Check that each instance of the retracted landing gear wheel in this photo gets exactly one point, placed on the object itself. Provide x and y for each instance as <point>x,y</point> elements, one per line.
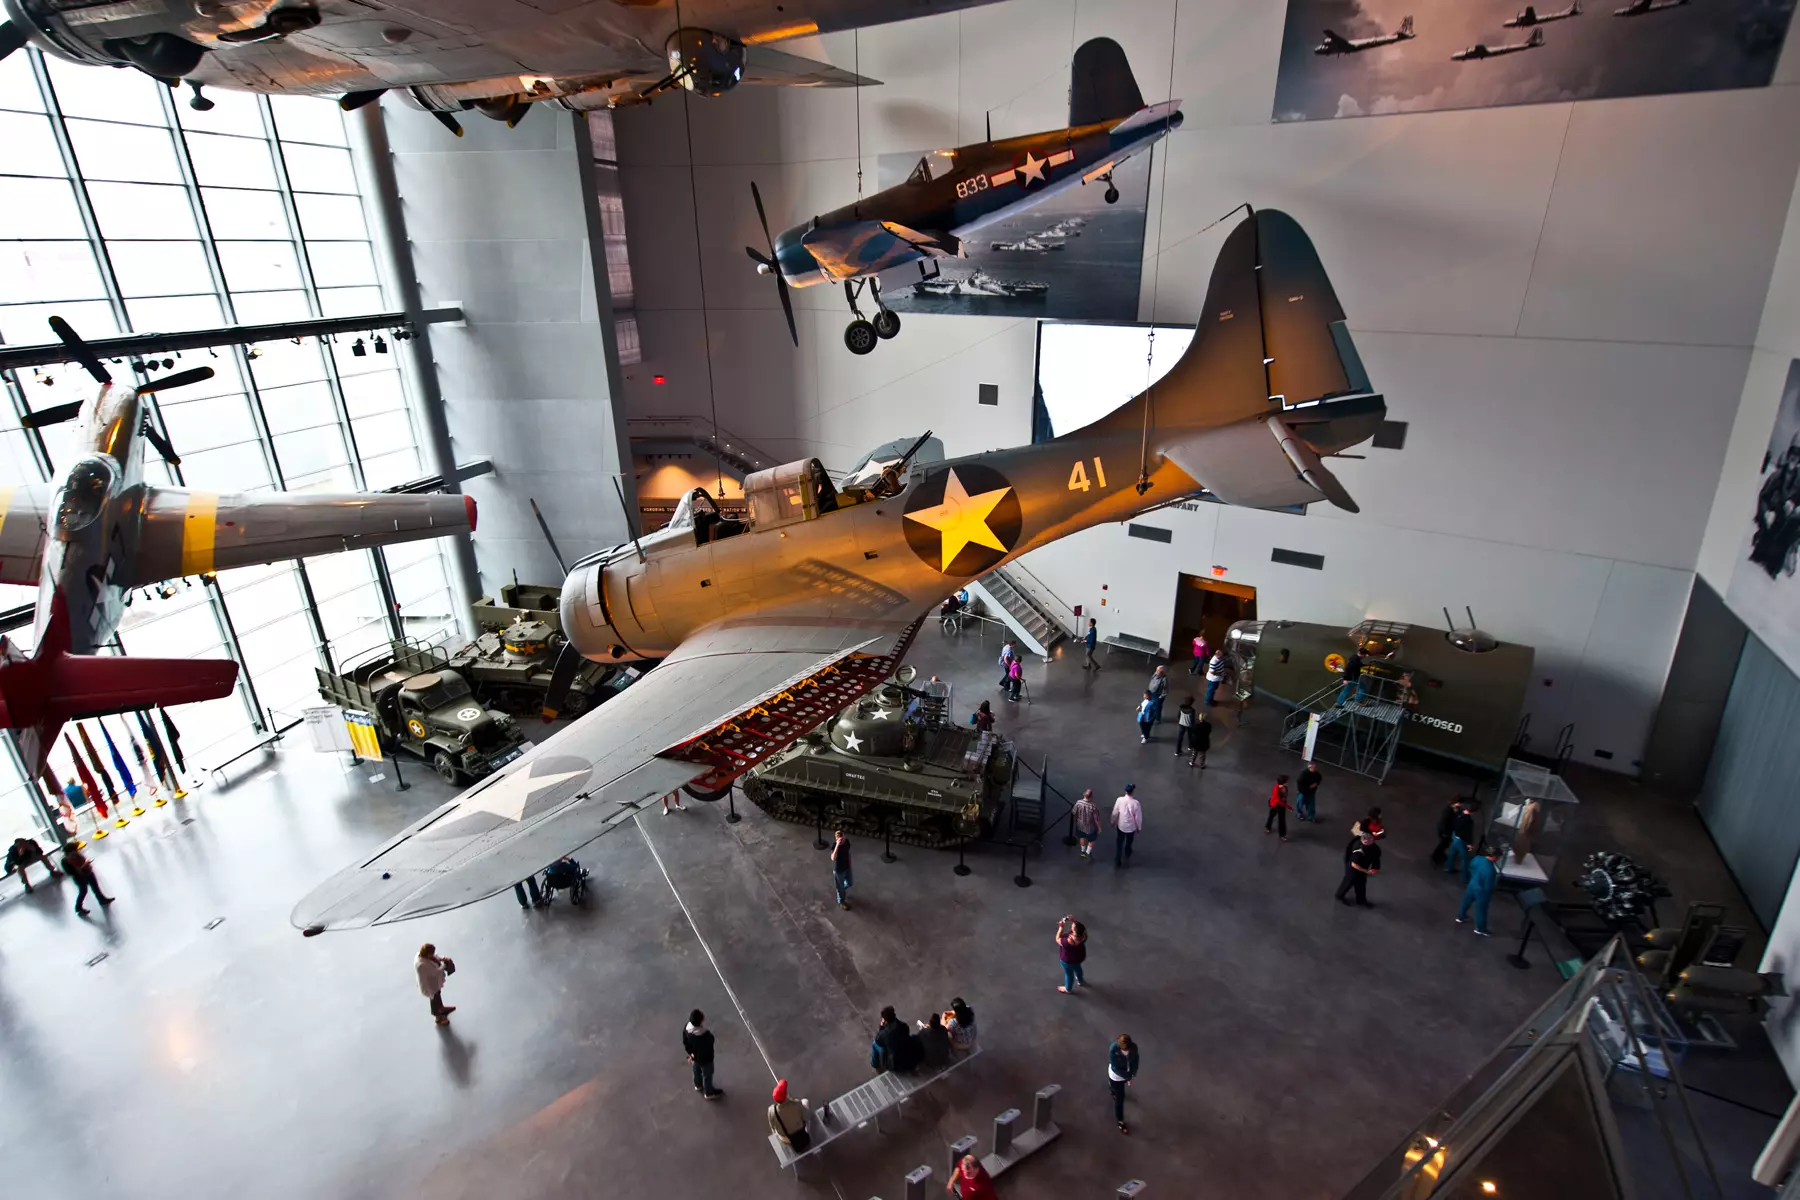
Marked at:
<point>1112,194</point>
<point>860,336</point>
<point>887,323</point>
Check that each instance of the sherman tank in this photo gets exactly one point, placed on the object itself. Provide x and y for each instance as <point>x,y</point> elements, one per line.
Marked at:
<point>509,665</point>
<point>883,766</point>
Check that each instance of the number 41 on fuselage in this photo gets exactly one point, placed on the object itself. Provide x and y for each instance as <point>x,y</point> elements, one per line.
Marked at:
<point>952,193</point>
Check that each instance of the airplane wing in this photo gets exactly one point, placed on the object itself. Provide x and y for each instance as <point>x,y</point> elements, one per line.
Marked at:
<point>764,64</point>
<point>869,247</point>
<point>191,533</point>
<point>1338,42</point>
<point>24,517</point>
<point>727,698</point>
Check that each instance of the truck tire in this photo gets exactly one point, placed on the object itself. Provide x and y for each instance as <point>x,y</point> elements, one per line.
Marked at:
<point>446,767</point>
<point>575,703</point>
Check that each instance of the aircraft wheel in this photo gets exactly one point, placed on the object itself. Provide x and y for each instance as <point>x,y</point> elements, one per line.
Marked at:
<point>887,323</point>
<point>860,336</point>
<point>1112,194</point>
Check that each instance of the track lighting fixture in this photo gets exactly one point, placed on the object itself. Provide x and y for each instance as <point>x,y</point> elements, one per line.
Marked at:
<point>380,346</point>
<point>358,349</point>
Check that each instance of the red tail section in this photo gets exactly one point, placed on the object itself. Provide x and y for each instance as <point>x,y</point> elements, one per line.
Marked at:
<point>37,695</point>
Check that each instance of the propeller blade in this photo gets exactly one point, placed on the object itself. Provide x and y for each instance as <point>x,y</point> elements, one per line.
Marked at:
<point>448,122</point>
<point>56,414</point>
<point>86,357</point>
<point>351,101</point>
<point>562,677</point>
<point>179,379</point>
<point>759,258</point>
<point>545,526</point>
<point>787,306</point>
<point>12,36</point>
<point>163,447</point>
<point>762,216</point>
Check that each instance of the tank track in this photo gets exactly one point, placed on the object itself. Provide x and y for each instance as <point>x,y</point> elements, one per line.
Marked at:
<point>932,829</point>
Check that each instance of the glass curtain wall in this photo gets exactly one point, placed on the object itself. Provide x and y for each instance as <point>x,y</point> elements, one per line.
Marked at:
<point>132,212</point>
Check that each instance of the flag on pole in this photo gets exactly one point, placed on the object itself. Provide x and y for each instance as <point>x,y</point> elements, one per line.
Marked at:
<point>164,770</point>
<point>146,770</point>
<point>112,793</point>
<point>118,760</point>
<point>174,736</point>
<point>81,768</point>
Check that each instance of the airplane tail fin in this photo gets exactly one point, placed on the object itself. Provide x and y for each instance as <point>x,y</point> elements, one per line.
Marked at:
<point>1271,337</point>
<point>1406,29</point>
<point>1101,86</point>
<point>39,694</point>
<point>1536,39</point>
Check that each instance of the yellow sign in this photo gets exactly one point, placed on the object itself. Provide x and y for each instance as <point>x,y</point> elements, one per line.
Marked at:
<point>363,735</point>
<point>1334,662</point>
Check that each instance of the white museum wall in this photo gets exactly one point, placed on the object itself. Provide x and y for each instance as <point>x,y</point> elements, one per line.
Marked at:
<point>1560,300</point>
<point>498,221</point>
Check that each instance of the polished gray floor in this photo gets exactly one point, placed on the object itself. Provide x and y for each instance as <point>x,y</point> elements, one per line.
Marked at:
<point>1287,1040</point>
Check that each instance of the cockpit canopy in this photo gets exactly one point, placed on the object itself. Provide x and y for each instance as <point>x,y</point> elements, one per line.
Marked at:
<point>935,165</point>
<point>699,512</point>
<point>84,493</point>
<point>796,491</point>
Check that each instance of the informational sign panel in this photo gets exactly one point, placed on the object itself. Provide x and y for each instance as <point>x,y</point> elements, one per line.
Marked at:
<point>364,738</point>
<point>1312,736</point>
<point>325,726</point>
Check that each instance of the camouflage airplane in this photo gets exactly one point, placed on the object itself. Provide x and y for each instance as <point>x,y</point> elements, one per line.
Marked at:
<point>953,193</point>
<point>1336,43</point>
<point>89,539</point>
<point>450,56</point>
<point>767,626</point>
<point>1531,16</point>
<point>1481,50</point>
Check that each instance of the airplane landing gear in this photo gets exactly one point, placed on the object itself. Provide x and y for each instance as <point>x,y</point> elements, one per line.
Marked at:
<point>861,334</point>
<point>1112,189</point>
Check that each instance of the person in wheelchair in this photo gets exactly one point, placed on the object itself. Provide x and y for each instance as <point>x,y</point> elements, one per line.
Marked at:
<point>950,612</point>
<point>565,874</point>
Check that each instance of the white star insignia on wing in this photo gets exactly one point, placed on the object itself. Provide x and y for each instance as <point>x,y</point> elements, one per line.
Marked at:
<point>1031,169</point>
<point>509,797</point>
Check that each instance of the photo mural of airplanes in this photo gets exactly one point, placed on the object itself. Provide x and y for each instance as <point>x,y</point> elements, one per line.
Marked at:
<point>1639,8</point>
<point>447,56</point>
<point>1531,16</point>
<point>953,193</point>
<point>768,626</point>
<point>1481,50</point>
<point>1336,43</point>
<point>100,531</point>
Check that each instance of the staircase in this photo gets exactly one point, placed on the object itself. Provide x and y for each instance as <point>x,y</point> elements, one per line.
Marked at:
<point>1362,736</point>
<point>687,434</point>
<point>1036,627</point>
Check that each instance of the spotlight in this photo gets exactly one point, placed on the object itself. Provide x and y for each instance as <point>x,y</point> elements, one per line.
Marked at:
<point>358,349</point>
<point>380,346</point>
<point>168,363</point>
<point>253,352</point>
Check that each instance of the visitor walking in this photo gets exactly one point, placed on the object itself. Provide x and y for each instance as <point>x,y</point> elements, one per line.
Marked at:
<point>697,1041</point>
<point>433,969</point>
<point>1308,788</point>
<point>1201,654</point>
<point>840,869</point>
<point>1446,829</point>
<point>1159,688</point>
<point>787,1119</point>
<point>1278,807</point>
<point>1362,858</point>
<point>1484,873</point>
<point>983,720</point>
<point>1015,679</point>
<point>1087,823</point>
<point>1184,723</point>
<point>1008,653</point>
<point>1121,1069</point>
<point>1146,718</point>
<point>1201,739</point>
<point>76,866</point>
<point>1216,670</point>
<point>1071,949</point>
<point>1462,838</point>
<point>1090,640</point>
<point>1127,819</point>
<point>971,1181</point>
<point>676,797</point>
<point>1353,681</point>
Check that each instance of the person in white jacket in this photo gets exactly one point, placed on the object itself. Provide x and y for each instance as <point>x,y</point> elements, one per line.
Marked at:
<point>433,970</point>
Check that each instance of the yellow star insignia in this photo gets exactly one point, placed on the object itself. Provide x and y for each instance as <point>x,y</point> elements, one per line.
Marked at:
<point>961,519</point>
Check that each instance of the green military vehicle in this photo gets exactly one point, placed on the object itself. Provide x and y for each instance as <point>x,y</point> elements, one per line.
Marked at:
<point>510,664</point>
<point>423,706</point>
<point>889,764</point>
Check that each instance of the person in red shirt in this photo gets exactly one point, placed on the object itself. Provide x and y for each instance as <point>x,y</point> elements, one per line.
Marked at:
<point>970,1180</point>
<point>1278,807</point>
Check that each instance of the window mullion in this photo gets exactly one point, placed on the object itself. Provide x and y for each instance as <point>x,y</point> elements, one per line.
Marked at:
<point>83,202</point>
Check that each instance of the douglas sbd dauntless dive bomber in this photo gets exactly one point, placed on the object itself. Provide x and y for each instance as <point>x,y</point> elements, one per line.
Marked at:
<point>768,626</point>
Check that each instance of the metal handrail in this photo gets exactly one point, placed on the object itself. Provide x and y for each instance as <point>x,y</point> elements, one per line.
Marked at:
<point>1039,592</point>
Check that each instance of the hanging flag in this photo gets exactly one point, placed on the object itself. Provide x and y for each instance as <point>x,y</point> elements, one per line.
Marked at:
<point>118,760</point>
<point>164,769</point>
<point>112,793</point>
<point>90,791</point>
<point>174,740</point>
<point>146,771</point>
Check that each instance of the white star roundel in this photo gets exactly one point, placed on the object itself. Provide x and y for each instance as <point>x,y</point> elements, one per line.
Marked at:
<point>852,742</point>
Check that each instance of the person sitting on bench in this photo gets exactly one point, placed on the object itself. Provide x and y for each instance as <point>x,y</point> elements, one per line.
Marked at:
<point>21,854</point>
<point>894,1050</point>
<point>787,1119</point>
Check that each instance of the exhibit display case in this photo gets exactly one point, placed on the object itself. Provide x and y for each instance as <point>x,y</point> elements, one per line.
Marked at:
<point>1531,820</point>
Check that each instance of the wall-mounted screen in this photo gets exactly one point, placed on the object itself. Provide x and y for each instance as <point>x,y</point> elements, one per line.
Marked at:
<point>1085,370</point>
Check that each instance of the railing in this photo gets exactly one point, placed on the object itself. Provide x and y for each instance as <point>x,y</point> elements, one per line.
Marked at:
<point>701,432</point>
<point>1036,591</point>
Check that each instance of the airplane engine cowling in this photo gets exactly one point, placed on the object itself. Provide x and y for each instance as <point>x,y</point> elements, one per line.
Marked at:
<point>585,621</point>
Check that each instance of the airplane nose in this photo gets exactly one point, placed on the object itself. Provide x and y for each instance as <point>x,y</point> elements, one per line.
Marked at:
<point>763,268</point>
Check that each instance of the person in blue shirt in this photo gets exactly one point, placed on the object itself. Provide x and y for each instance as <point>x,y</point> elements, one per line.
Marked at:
<point>1090,640</point>
<point>1121,1069</point>
<point>1484,873</point>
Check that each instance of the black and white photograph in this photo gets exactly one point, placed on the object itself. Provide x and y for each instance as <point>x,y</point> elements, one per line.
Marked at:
<point>1764,589</point>
<point>1071,257</point>
<point>1360,58</point>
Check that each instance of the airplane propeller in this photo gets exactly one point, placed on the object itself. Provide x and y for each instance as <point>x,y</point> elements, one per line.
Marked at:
<point>83,355</point>
<point>766,264</point>
<point>12,36</point>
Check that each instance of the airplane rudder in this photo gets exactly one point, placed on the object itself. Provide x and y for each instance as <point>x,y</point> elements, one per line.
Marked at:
<point>1101,85</point>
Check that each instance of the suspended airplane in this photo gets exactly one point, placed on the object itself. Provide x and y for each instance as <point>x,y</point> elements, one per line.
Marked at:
<point>1336,43</point>
<point>1481,50</point>
<point>450,55</point>
<point>953,193</point>
<point>1638,8</point>
<point>1531,16</point>
<point>767,626</point>
<point>101,530</point>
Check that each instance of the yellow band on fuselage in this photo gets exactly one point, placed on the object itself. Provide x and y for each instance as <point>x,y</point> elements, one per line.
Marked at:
<point>197,533</point>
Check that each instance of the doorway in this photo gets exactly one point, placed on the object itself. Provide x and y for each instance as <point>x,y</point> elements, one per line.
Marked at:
<point>1209,606</point>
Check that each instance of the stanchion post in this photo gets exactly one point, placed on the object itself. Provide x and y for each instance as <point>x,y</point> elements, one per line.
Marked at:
<point>1131,1189</point>
<point>1022,879</point>
<point>961,867</point>
<point>1069,838</point>
<point>732,817</point>
<point>1003,1131</point>
<point>819,841</point>
<point>961,1146</point>
<point>1517,958</point>
<point>400,784</point>
<point>916,1179</point>
<point>1042,1107</point>
<point>887,837</point>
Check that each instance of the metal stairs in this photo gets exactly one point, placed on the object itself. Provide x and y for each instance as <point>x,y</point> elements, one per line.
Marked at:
<point>1036,627</point>
<point>1364,734</point>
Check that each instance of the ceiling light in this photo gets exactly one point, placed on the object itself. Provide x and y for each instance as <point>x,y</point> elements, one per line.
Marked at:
<point>380,346</point>
<point>358,349</point>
